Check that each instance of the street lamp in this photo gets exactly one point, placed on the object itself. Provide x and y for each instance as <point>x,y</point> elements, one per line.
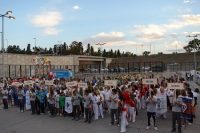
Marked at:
<point>8,14</point>
<point>101,44</point>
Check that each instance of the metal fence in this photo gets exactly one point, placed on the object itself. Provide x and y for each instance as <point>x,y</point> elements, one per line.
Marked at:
<point>39,70</point>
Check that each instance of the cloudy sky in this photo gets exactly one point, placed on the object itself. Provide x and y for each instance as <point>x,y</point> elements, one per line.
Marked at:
<point>130,25</point>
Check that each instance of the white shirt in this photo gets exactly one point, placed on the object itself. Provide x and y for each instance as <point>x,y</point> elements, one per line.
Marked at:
<point>5,94</point>
<point>107,94</point>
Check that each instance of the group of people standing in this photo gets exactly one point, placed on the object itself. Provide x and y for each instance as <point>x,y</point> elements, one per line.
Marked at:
<point>122,102</point>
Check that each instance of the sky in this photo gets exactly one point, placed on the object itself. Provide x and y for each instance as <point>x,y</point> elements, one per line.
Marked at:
<point>128,25</point>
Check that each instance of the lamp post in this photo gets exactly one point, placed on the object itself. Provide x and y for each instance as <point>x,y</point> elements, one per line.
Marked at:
<point>8,14</point>
<point>195,58</point>
<point>101,44</point>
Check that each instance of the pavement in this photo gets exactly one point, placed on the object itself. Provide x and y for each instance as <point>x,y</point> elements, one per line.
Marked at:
<point>12,121</point>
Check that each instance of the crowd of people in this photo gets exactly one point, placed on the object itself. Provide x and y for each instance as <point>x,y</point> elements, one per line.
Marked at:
<point>122,101</point>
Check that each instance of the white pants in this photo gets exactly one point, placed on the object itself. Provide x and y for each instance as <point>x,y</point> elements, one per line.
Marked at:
<point>124,122</point>
<point>143,102</point>
<point>132,113</point>
<point>96,112</point>
<point>101,110</point>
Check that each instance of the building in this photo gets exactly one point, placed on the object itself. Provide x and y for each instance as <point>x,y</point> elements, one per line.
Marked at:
<point>17,65</point>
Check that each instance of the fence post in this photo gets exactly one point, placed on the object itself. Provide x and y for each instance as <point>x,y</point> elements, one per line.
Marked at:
<point>9,70</point>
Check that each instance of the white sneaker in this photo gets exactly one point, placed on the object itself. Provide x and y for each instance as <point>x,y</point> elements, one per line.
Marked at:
<point>156,128</point>
<point>189,123</point>
<point>147,128</point>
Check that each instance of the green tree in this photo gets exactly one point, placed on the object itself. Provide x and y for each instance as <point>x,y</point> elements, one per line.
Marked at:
<point>28,49</point>
<point>92,51</point>
<point>146,53</point>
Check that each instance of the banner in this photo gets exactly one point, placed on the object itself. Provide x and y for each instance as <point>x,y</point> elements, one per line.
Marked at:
<point>68,104</point>
<point>149,81</point>
<point>28,103</point>
<point>49,82</point>
<point>82,85</point>
<point>17,84</point>
<point>110,82</point>
<point>71,84</point>
<point>29,82</point>
<point>175,86</point>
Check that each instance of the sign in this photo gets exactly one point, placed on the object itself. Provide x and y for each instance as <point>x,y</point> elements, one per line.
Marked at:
<point>110,82</point>
<point>16,84</point>
<point>175,86</point>
<point>49,82</point>
<point>82,85</point>
<point>62,74</point>
<point>149,81</point>
<point>71,84</point>
<point>29,82</point>
<point>68,104</point>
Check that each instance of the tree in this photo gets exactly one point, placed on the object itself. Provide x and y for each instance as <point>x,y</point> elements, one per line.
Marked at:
<point>193,45</point>
<point>146,53</point>
<point>28,49</point>
<point>91,51</point>
<point>50,51</point>
<point>118,53</point>
<point>160,53</point>
<point>88,50</point>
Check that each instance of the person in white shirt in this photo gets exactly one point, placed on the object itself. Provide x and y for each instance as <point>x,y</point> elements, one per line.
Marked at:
<point>161,108</point>
<point>107,94</point>
<point>5,98</point>
<point>95,100</point>
<point>100,103</point>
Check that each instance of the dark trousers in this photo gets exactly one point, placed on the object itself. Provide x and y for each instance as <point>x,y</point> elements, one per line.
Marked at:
<point>88,114</point>
<point>76,111</point>
<point>42,107</point>
<point>33,107</point>
<point>113,114</point>
<point>153,115</point>
<point>5,103</point>
<point>37,106</point>
<point>51,109</point>
<point>21,104</point>
<point>176,117</point>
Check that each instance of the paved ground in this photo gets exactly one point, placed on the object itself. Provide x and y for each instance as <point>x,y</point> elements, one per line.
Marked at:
<point>12,121</point>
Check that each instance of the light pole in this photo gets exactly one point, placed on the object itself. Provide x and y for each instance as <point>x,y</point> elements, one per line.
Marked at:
<point>195,59</point>
<point>8,14</point>
<point>101,44</point>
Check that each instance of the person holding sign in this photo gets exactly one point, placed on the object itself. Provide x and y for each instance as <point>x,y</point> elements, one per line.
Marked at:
<point>151,109</point>
<point>176,111</point>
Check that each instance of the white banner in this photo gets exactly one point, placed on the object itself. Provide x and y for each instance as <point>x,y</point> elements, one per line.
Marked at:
<point>71,84</point>
<point>49,82</point>
<point>82,85</point>
<point>175,86</point>
<point>68,104</point>
<point>149,81</point>
<point>16,84</point>
<point>29,82</point>
<point>110,82</point>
